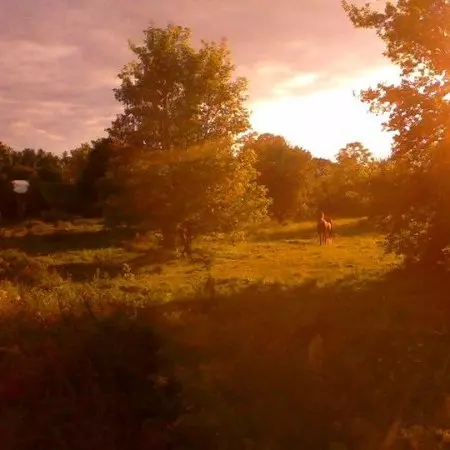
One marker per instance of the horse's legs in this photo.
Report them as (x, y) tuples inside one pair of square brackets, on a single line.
[(326, 233), (322, 231)]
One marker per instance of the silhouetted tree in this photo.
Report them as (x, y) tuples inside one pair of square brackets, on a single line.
[(416, 34)]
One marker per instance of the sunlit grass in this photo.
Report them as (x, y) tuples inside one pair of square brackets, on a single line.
[(286, 254), (242, 350)]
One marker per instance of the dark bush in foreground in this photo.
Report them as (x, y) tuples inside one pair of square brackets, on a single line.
[(80, 382)]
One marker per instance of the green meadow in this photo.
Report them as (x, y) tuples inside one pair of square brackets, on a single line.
[(264, 340)]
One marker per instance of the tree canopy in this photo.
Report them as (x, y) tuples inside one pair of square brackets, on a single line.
[(174, 162), (287, 173), (417, 36), (176, 96)]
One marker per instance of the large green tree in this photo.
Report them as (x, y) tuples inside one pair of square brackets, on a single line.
[(74, 162), (176, 96), (322, 187), (417, 38), (343, 187), (91, 178), (206, 189), (381, 189), (286, 171), (352, 175), (179, 101)]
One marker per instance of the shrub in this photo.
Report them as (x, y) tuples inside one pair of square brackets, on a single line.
[(78, 381)]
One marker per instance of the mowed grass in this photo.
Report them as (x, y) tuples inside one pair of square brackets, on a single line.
[(277, 342)]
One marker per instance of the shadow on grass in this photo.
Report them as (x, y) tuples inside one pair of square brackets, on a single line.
[(255, 360), (270, 366), (112, 268), (79, 272), (158, 256), (357, 228), (34, 244), (153, 259)]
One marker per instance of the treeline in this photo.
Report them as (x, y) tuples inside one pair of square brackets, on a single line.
[(297, 184), (181, 159), (60, 185)]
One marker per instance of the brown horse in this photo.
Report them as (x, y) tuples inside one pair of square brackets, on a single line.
[(324, 229)]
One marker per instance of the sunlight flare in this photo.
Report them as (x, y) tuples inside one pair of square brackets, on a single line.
[(302, 118)]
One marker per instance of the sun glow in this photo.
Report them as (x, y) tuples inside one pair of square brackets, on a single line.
[(323, 121)]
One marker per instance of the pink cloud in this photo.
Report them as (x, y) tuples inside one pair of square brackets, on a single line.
[(59, 63)]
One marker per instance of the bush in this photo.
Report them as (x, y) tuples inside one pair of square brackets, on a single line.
[(77, 381)]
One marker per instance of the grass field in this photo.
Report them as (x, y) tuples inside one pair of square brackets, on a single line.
[(274, 342)]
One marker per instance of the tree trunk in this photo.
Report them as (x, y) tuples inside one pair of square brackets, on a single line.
[(186, 236)]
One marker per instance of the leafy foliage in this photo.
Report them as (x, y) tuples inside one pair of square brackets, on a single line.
[(91, 181), (352, 176), (286, 172), (208, 188), (175, 96), (174, 164), (416, 34)]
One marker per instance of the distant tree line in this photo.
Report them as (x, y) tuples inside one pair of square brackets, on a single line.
[(67, 184), (297, 184)]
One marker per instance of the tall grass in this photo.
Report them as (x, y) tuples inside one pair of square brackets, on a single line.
[(268, 342)]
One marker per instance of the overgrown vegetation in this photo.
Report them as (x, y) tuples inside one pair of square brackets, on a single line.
[(267, 342), (254, 336), (416, 37)]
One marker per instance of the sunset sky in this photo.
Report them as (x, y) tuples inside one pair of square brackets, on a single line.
[(59, 61)]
